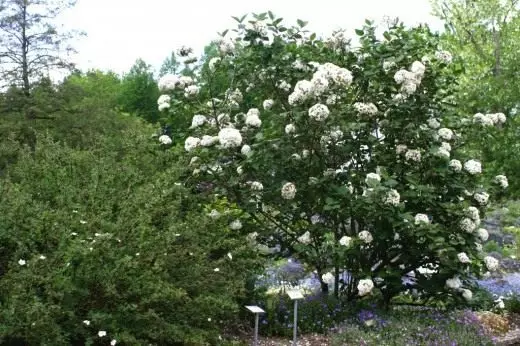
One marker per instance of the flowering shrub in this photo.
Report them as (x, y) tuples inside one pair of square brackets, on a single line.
[(347, 159)]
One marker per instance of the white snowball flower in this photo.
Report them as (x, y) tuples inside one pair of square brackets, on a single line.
[(229, 138), (164, 99), (467, 225), (454, 283), (319, 112), (463, 258), (369, 109), (365, 286), (421, 218), (257, 186), (442, 152), (240, 170), (445, 134), (113, 342), (482, 234), (392, 198), (288, 191), (481, 198), (467, 294), (235, 225), (214, 214), (102, 333), (305, 153), (191, 143), (479, 247), (213, 63), (283, 85), (163, 106), (365, 236), (491, 263), (372, 179), (400, 149), (290, 129), (246, 150), (455, 165), (444, 56), (413, 155), (473, 167), (191, 90), (446, 146), (164, 139), (168, 82), (483, 119), (501, 118), (198, 120), (21, 262), (42, 257), (305, 238), (253, 118), (345, 241), (328, 278), (433, 123), (208, 141), (418, 68), (388, 65), (268, 104), (185, 81), (501, 180)]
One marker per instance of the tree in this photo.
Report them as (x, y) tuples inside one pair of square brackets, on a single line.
[(170, 65), (350, 160), (30, 43), (139, 92)]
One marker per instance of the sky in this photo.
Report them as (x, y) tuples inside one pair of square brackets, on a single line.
[(120, 31)]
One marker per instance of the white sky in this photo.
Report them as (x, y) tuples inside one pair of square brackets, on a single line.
[(120, 31)]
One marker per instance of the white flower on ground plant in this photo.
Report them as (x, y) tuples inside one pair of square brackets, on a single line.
[(392, 198), (268, 104), (501, 180), (500, 303), (372, 179), (246, 150), (305, 238), (240, 170), (463, 258), (253, 118), (482, 234), (164, 139), (481, 198), (467, 294), (21, 262), (113, 342), (102, 333), (230, 256), (214, 214), (413, 155), (86, 322), (235, 225), (365, 236), (365, 286), (421, 218), (229, 138), (445, 134), (467, 225), (491, 263), (191, 143), (319, 112), (473, 167), (455, 165), (400, 149), (454, 283), (216, 270), (288, 191), (290, 129), (345, 241)]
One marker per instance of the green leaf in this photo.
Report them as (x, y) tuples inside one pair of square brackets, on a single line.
[(313, 36), (359, 32), (301, 23)]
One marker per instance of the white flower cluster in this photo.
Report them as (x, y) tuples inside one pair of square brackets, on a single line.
[(421, 218), (372, 179), (410, 80), (473, 214), (388, 65), (257, 186), (467, 294), (168, 82), (305, 238), (328, 278), (362, 108), (345, 241), (235, 225), (445, 134), (444, 56), (467, 225), (198, 120), (253, 118), (213, 62), (413, 155), (163, 102), (229, 138), (165, 140), (320, 83), (191, 90), (481, 198), (290, 129), (365, 236), (191, 143), (338, 40), (283, 85), (208, 141), (456, 165), (463, 258), (473, 167), (365, 286), (433, 123), (501, 180), (400, 149), (246, 150), (392, 198), (491, 263), (288, 191), (319, 112), (268, 104), (489, 119), (454, 283), (234, 98), (225, 46), (482, 234)]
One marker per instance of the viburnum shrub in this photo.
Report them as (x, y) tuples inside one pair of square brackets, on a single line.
[(349, 159)]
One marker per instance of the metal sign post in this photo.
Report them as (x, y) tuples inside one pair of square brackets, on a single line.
[(295, 295), (257, 311)]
